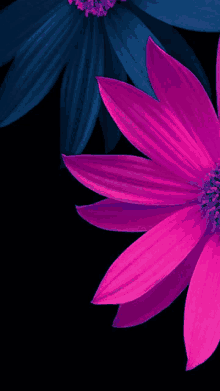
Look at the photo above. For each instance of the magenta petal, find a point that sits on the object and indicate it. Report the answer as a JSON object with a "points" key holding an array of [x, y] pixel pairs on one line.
{"points": [[218, 79], [130, 179], [114, 215], [202, 309], [153, 128], [180, 90], [152, 257], [162, 295]]}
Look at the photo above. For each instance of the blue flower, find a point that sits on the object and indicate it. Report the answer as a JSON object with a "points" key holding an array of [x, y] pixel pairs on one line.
{"points": [[88, 38]]}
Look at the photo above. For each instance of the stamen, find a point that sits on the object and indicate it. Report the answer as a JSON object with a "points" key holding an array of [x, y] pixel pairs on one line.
{"points": [[94, 7], [210, 198]]}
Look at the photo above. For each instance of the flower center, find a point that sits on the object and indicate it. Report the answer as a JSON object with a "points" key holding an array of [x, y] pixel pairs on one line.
{"points": [[210, 198], [95, 7]]}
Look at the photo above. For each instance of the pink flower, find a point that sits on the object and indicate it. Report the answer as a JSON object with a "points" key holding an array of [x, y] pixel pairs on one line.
{"points": [[175, 197]]}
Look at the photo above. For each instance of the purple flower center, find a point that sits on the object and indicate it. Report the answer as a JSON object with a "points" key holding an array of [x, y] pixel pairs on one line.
{"points": [[95, 7], [210, 198]]}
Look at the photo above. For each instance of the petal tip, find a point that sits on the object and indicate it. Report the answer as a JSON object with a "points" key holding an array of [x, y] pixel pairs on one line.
{"points": [[79, 209], [102, 79], [99, 79], [64, 159], [116, 323], [151, 45], [120, 324], [152, 49], [95, 301], [99, 298], [150, 40], [189, 366]]}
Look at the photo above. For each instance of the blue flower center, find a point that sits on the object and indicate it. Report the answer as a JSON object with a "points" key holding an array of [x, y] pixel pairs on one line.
{"points": [[210, 199], [94, 7]]}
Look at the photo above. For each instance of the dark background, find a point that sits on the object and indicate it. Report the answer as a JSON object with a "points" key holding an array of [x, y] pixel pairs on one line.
{"points": [[84, 331]]}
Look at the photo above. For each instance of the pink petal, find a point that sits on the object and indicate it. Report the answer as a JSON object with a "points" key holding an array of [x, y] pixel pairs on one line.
{"points": [[182, 92], [202, 309], [218, 79], [153, 128], [120, 216], [152, 257], [161, 295], [130, 179]]}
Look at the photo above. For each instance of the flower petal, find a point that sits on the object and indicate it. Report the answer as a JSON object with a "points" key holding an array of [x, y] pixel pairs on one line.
{"points": [[19, 21], [152, 257], [37, 65], [114, 215], [80, 99], [198, 15], [162, 295], [218, 79], [178, 88], [202, 309], [174, 44], [153, 128], [130, 179], [112, 68], [128, 36]]}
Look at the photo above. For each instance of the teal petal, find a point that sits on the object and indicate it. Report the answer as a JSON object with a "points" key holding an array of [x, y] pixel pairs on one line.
{"points": [[80, 98], [112, 69], [19, 21], [197, 15], [37, 65], [128, 36], [175, 45]]}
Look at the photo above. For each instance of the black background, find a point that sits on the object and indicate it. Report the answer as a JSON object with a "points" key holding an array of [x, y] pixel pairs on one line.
{"points": [[84, 331]]}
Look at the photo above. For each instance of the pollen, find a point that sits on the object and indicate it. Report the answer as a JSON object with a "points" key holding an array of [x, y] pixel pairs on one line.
{"points": [[94, 7], [210, 198]]}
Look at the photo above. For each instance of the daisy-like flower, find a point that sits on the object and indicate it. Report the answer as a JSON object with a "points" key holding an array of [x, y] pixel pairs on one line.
{"points": [[175, 197], [90, 38]]}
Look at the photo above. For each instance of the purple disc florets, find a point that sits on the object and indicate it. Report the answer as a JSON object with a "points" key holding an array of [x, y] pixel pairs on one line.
{"points": [[210, 198], [95, 7]]}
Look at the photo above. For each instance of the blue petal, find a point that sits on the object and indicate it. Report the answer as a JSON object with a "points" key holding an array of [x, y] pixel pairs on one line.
{"points": [[19, 21], [175, 45], [80, 98], [37, 65], [198, 15], [114, 70], [130, 45], [128, 36]]}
